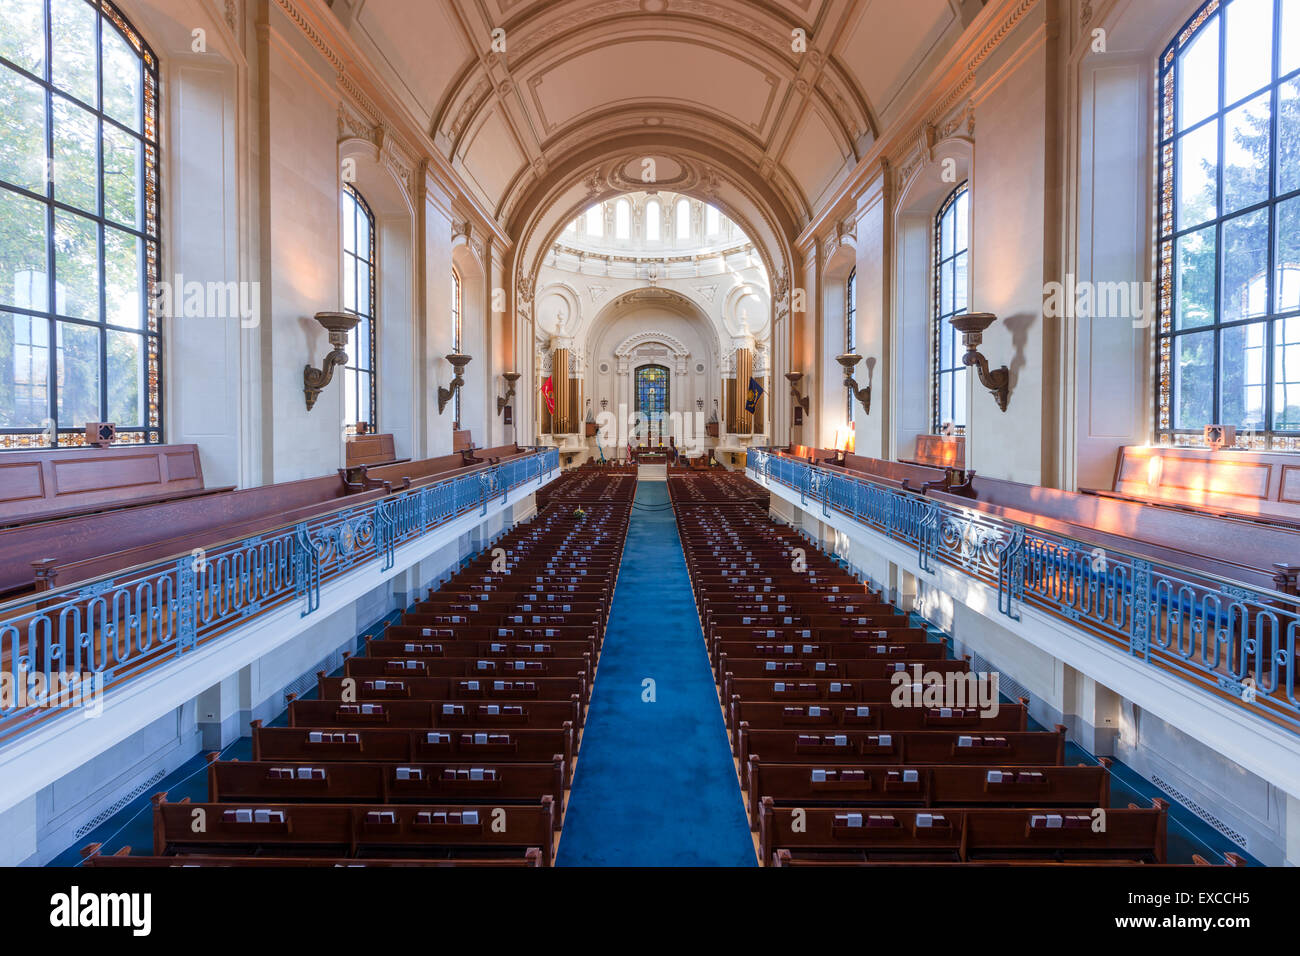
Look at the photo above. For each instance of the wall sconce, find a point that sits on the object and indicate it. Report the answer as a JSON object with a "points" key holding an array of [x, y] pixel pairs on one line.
{"points": [[458, 362], [972, 326], [504, 400], [802, 401], [604, 404], [699, 404], [338, 325], [849, 360]]}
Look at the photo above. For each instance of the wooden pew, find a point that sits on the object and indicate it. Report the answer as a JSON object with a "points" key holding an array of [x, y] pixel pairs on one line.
{"points": [[849, 785], [62, 552], [1258, 486], [371, 450], [978, 747], [445, 715], [388, 745], [91, 856], [1249, 552], [233, 781], [962, 835], [351, 830], [67, 482], [825, 718], [401, 667]]}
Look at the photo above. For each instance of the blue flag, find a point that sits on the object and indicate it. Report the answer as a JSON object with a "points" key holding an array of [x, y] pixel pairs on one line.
{"points": [[754, 394]]}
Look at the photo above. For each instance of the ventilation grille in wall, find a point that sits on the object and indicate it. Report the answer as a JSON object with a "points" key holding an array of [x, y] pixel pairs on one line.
{"points": [[85, 829], [1007, 686], [308, 680], [1236, 837]]}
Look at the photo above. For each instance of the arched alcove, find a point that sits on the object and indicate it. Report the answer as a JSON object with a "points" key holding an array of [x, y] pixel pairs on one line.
{"points": [[950, 163], [362, 165], [653, 327]]}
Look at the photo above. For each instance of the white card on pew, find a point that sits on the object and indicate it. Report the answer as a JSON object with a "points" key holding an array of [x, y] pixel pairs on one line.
{"points": [[493, 709], [910, 776]]}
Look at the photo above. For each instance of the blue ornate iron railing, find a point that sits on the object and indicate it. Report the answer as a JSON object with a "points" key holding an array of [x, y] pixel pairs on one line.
{"points": [[113, 629], [1213, 632]]}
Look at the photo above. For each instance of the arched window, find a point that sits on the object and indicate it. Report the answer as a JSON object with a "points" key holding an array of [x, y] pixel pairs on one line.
{"points": [[596, 220], [652, 384], [457, 304], [951, 283], [622, 219], [360, 403], [652, 220], [81, 307], [712, 221], [683, 217], [851, 324], [1228, 314]]}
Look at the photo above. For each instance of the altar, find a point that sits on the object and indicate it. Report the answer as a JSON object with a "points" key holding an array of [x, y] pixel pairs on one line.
{"points": [[651, 454]]}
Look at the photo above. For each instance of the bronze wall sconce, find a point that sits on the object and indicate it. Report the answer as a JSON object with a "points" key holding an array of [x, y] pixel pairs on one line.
{"points": [[458, 362], [849, 360], [972, 326], [803, 401], [504, 400], [338, 325]]}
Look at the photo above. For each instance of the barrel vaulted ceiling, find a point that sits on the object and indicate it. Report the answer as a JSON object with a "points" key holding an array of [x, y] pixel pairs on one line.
{"points": [[579, 73]]}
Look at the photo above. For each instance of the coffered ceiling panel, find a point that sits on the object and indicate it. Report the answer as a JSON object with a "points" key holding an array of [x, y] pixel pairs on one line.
{"points": [[813, 157], [492, 157], [576, 76], [424, 69], [886, 41], [632, 71]]}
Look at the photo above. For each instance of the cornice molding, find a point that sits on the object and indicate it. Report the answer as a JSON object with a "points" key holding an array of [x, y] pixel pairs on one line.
{"points": [[930, 107], [339, 50]]}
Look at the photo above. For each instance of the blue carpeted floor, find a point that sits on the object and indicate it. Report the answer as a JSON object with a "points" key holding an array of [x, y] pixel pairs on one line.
{"points": [[655, 784]]}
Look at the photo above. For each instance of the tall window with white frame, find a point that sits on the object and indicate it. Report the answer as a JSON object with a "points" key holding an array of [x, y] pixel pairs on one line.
{"points": [[951, 287], [80, 305], [851, 327], [1228, 252], [457, 305], [360, 403]]}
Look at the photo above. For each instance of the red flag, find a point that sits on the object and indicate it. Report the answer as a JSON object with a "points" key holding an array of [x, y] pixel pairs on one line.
{"points": [[548, 393]]}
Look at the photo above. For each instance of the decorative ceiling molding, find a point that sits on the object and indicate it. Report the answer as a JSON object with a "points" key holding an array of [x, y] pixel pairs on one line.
{"points": [[636, 340]]}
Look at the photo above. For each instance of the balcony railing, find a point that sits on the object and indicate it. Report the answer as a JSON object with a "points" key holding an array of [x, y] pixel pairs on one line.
{"points": [[59, 649], [1233, 641]]}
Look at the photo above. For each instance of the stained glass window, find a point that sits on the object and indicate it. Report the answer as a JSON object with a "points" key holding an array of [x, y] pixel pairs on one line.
{"points": [[652, 399], [360, 402], [1228, 294], [79, 254], [951, 284]]}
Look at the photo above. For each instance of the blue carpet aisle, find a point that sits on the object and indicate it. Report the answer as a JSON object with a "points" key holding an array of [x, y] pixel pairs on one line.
{"points": [[655, 783]]}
